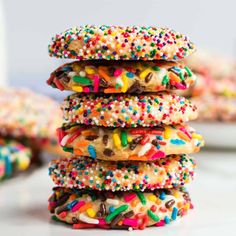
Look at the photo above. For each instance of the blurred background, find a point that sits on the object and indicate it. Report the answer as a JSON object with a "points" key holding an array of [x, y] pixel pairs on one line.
{"points": [[26, 28]]}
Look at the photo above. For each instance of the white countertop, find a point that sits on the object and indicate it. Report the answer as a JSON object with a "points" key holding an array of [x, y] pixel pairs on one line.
{"points": [[23, 204]]}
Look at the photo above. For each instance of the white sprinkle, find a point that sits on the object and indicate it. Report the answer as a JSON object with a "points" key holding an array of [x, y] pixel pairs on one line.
{"points": [[87, 219], [113, 202], [144, 149], [64, 140]]}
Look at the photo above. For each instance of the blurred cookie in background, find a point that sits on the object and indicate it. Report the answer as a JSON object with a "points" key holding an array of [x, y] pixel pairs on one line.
{"points": [[31, 119], [14, 158]]}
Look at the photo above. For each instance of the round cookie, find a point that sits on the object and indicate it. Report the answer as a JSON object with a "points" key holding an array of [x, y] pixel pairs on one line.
{"points": [[127, 110], [121, 77], [14, 157], [27, 114], [118, 210], [120, 43], [83, 172], [119, 144]]}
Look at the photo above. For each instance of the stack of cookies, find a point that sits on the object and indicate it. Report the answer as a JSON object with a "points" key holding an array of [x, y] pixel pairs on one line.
{"points": [[124, 127]]}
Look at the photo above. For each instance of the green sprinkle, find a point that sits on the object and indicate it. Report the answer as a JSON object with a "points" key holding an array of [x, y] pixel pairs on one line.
{"points": [[55, 218], [82, 80], [153, 216], [165, 80], [188, 71], [156, 68], [142, 198], [116, 212], [67, 149], [124, 140], [181, 76]]}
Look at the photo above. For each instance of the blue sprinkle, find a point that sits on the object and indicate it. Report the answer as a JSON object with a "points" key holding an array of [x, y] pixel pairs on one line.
{"points": [[167, 220], [159, 137], [130, 75], [111, 209], [177, 141], [162, 195], [174, 213], [72, 204], [92, 151]]}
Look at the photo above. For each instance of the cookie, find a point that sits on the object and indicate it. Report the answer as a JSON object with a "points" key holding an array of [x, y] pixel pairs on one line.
{"points": [[118, 210], [120, 144], [126, 110], [83, 172], [120, 43], [14, 157], [24, 113], [215, 108], [121, 77]]}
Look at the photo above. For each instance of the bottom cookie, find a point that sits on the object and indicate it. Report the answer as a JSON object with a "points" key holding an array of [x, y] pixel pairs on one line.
{"points": [[118, 210]]}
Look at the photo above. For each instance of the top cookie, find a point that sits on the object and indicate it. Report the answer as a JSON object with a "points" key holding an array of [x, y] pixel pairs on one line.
{"points": [[91, 42]]}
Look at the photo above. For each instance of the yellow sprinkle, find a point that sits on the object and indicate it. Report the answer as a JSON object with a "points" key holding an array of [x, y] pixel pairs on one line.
{"points": [[144, 73], [125, 83], [116, 139], [176, 194], [76, 67], [89, 70], [23, 163], [152, 198], [187, 206], [78, 89], [129, 139], [167, 132], [91, 212], [197, 136]]}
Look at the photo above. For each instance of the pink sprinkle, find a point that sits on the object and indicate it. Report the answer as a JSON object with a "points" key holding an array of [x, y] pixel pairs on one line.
{"points": [[186, 132], [63, 214], [160, 223], [117, 72], [157, 155], [96, 83], [129, 197], [86, 89], [191, 206], [77, 206], [102, 222], [180, 86], [131, 222]]}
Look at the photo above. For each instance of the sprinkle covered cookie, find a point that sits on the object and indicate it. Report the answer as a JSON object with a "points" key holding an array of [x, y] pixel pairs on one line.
{"points": [[14, 157], [128, 110], [82, 172], [91, 42], [120, 144], [129, 210], [121, 77]]}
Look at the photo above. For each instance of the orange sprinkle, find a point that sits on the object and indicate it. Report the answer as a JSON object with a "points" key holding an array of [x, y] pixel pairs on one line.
{"points": [[174, 78], [112, 90], [78, 152], [103, 74], [134, 203], [72, 197], [85, 207], [179, 204], [136, 157], [183, 136], [142, 208], [82, 143]]}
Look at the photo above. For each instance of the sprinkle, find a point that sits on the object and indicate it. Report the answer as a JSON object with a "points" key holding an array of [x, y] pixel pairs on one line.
{"points": [[77, 88], [177, 141], [91, 213], [92, 151], [124, 140], [117, 140], [87, 219], [129, 197], [153, 216], [131, 222], [116, 212], [144, 149], [142, 198], [174, 213], [82, 80], [113, 202], [77, 206]]}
